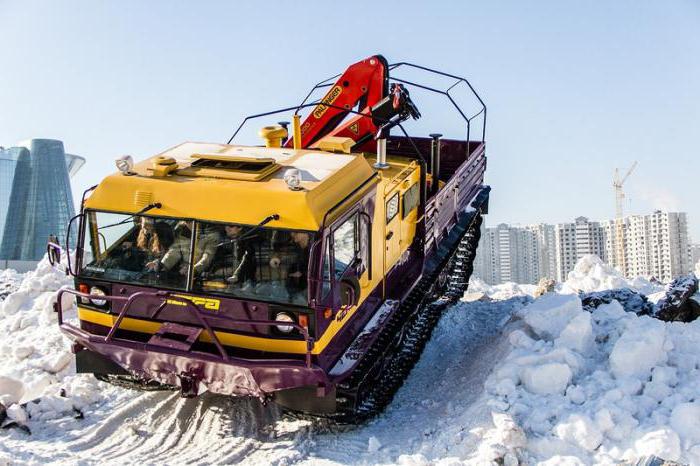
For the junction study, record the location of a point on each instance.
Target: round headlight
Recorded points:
(284, 317)
(95, 291)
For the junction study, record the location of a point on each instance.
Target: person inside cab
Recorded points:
(176, 259)
(235, 261)
(148, 241)
(296, 263)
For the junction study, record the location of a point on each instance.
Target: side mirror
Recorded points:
(349, 288)
(72, 242)
(53, 250)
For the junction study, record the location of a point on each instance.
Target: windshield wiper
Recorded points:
(253, 230)
(155, 205)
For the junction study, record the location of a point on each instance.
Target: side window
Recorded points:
(326, 286)
(365, 244)
(410, 200)
(345, 241)
(392, 207)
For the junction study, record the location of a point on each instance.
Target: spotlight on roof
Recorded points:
(124, 164)
(293, 179)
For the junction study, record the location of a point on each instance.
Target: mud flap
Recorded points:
(88, 362)
(307, 400)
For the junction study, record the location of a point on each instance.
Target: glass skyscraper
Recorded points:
(8, 162)
(39, 202)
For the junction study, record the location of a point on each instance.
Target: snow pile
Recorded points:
(603, 386)
(36, 375)
(592, 274)
(9, 282)
(499, 292)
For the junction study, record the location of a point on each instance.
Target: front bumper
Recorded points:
(194, 371)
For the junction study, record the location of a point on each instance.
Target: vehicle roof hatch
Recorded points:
(230, 167)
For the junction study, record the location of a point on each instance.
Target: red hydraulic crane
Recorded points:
(364, 85)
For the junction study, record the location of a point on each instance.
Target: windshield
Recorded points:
(254, 263)
(237, 260)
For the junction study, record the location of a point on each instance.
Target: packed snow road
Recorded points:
(432, 416)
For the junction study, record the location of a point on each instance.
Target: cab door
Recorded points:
(401, 216)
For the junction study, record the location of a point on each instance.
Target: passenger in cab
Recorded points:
(236, 258)
(297, 263)
(148, 241)
(177, 257)
(154, 238)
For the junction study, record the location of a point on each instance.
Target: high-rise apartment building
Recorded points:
(511, 253)
(545, 238)
(667, 245)
(575, 240)
(694, 254)
(654, 245)
(36, 197)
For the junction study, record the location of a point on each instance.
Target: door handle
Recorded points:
(390, 235)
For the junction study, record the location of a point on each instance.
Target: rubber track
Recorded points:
(389, 361)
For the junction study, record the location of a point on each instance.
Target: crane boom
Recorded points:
(619, 256)
(364, 85)
(629, 172)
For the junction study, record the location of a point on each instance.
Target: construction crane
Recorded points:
(619, 205)
(619, 193)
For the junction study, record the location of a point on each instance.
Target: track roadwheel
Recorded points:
(442, 282)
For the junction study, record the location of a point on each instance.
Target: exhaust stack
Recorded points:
(435, 162)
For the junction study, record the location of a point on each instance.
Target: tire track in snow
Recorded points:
(110, 434)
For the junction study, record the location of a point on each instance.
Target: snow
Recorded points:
(634, 385)
(549, 315)
(504, 291)
(11, 390)
(546, 379)
(578, 334)
(592, 274)
(505, 379)
(639, 349)
(579, 430)
(663, 443)
(373, 445)
(685, 419)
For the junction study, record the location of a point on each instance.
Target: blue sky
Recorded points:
(574, 88)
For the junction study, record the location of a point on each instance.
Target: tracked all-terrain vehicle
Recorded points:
(309, 271)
